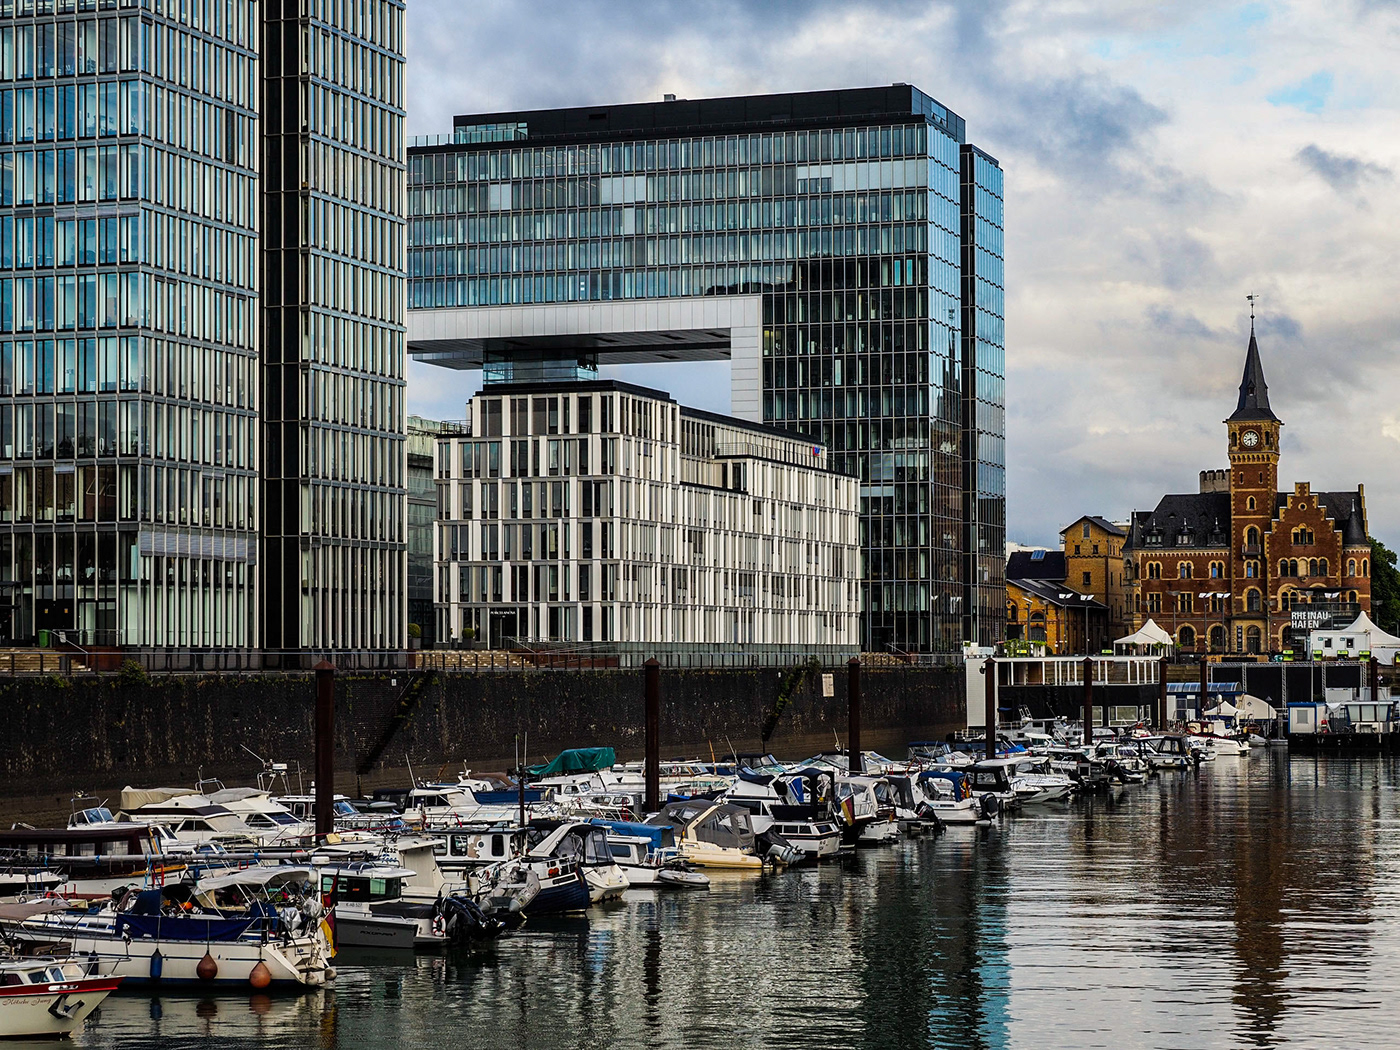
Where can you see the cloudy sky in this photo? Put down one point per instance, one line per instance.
(1163, 160)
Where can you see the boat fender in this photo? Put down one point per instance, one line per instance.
(260, 976)
(157, 965)
(207, 969)
(990, 806)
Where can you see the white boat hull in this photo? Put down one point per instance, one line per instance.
(605, 882)
(59, 1008)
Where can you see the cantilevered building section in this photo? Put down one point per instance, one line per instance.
(333, 566)
(819, 241)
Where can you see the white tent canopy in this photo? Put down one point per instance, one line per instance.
(1361, 636)
(1252, 709)
(1148, 634)
(1224, 709)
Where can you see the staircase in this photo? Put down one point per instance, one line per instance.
(40, 661)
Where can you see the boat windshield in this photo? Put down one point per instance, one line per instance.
(96, 815)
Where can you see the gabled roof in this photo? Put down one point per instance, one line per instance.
(1347, 509)
(1103, 523)
(1205, 514)
(1254, 392)
(1053, 593)
(1036, 565)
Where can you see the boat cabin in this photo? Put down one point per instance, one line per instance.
(370, 883)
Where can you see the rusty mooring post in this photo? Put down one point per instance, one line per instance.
(325, 748)
(1162, 695)
(1375, 680)
(1205, 687)
(1088, 700)
(653, 756)
(989, 692)
(854, 763)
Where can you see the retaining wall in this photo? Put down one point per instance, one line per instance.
(98, 734)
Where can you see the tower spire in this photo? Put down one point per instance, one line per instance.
(1254, 391)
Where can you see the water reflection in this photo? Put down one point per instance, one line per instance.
(1253, 903)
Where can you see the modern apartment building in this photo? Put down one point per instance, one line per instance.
(842, 249)
(200, 330)
(600, 512)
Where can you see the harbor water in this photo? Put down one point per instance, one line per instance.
(1254, 902)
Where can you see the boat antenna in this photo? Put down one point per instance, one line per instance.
(250, 751)
(732, 753)
(412, 781)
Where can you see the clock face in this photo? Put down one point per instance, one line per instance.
(1249, 439)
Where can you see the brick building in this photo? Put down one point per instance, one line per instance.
(1041, 606)
(1240, 567)
(1094, 565)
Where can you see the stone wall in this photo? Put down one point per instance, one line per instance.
(97, 734)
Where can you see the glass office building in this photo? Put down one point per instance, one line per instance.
(825, 242)
(132, 378)
(128, 282)
(334, 492)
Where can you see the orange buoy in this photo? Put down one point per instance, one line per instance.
(261, 976)
(207, 969)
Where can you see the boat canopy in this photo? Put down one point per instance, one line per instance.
(659, 835)
(961, 788)
(577, 760)
(184, 928)
(257, 877)
(718, 824)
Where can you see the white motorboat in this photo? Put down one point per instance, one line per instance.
(145, 943)
(947, 795)
(1035, 783)
(43, 997)
(711, 834)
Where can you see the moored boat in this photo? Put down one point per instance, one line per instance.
(42, 997)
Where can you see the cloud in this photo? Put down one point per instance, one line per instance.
(1309, 95)
(1344, 174)
(1159, 166)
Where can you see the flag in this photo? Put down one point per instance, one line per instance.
(848, 809)
(328, 931)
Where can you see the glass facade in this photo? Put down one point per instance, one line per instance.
(201, 322)
(128, 384)
(850, 228)
(984, 397)
(334, 545)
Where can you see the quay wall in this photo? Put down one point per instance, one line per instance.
(99, 733)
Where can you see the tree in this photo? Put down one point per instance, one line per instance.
(1385, 587)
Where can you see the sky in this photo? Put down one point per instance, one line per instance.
(1163, 160)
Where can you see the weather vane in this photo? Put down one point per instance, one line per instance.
(1252, 297)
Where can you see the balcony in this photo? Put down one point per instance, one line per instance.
(1250, 550)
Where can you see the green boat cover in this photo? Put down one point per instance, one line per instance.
(577, 760)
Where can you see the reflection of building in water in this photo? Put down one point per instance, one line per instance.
(933, 952)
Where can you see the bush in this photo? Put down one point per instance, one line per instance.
(132, 673)
(414, 631)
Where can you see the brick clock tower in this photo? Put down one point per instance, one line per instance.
(1254, 434)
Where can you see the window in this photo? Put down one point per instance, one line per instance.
(1154, 570)
(1186, 638)
(1351, 566)
(1183, 570)
(1365, 567)
(1217, 570)
(1250, 504)
(1302, 537)
(1154, 602)
(1087, 579)
(1217, 639)
(1086, 530)
(1251, 601)
(1251, 536)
